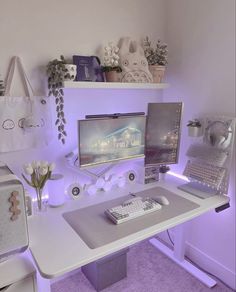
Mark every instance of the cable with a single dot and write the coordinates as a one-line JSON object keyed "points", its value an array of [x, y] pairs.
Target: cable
{"points": [[168, 233], [197, 266], [210, 274]]}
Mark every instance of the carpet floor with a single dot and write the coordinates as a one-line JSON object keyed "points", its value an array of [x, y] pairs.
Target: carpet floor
{"points": [[148, 271]]}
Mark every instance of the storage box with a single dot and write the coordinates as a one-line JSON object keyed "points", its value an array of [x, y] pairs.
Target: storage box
{"points": [[107, 271]]}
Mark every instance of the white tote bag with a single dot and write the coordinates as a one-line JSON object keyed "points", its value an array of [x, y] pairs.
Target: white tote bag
{"points": [[133, 62], [25, 121]]}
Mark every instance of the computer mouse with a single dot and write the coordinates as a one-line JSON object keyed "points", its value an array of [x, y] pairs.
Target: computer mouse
{"points": [[162, 200]]}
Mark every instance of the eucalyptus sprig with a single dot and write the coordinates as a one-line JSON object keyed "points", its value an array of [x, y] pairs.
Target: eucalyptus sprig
{"points": [[57, 72], [155, 55]]}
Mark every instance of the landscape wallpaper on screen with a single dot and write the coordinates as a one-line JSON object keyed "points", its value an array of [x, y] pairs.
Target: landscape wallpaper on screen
{"points": [[107, 140]]}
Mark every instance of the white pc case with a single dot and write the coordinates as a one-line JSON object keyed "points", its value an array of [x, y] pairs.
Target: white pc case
{"points": [[13, 221]]}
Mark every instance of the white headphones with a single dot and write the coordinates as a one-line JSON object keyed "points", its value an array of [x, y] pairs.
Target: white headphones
{"points": [[218, 134]]}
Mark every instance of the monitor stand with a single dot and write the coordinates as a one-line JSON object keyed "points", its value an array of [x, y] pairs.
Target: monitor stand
{"points": [[198, 190], [101, 173]]}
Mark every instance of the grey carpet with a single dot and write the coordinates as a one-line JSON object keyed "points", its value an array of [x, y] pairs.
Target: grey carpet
{"points": [[148, 271]]}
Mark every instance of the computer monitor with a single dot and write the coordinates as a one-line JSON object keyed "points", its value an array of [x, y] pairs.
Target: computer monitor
{"points": [[106, 140], [162, 133]]}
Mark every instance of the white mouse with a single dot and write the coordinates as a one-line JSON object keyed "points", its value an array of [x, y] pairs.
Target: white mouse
{"points": [[161, 200]]}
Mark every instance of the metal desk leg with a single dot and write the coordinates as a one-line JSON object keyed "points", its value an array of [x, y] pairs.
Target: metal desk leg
{"points": [[43, 284], [177, 255]]}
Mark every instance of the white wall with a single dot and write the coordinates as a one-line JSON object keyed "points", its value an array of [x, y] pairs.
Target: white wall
{"points": [[39, 31], [201, 71]]}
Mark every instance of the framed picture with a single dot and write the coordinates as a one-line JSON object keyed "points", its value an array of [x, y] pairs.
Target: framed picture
{"points": [[88, 69]]}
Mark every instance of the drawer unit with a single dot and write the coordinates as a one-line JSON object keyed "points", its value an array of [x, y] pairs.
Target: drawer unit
{"points": [[26, 285], [17, 274]]}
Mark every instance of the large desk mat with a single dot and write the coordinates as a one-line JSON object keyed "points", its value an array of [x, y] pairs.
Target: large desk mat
{"points": [[96, 230]]}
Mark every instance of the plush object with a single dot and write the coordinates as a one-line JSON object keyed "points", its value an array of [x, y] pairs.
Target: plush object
{"points": [[133, 62]]}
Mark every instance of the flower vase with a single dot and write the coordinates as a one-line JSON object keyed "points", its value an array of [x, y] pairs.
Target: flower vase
{"points": [[40, 205], [71, 72], [195, 131], [157, 72], [112, 76]]}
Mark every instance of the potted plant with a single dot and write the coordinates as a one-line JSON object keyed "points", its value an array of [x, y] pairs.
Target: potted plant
{"points": [[111, 66], [163, 170], [194, 128], [57, 72], [157, 59], [2, 88]]}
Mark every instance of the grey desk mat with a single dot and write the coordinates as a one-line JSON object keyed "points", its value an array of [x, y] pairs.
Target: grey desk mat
{"points": [[96, 229]]}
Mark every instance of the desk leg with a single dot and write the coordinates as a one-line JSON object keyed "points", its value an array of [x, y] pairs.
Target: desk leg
{"points": [[43, 284], [177, 255]]}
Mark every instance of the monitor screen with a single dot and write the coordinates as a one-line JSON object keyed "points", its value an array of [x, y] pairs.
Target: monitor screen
{"points": [[162, 133], [106, 140]]}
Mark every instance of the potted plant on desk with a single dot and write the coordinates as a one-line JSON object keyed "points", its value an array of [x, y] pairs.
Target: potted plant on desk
{"points": [[111, 66], [157, 59], [194, 128], [59, 71]]}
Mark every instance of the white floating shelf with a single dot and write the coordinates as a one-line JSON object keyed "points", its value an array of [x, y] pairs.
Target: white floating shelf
{"points": [[113, 85]]}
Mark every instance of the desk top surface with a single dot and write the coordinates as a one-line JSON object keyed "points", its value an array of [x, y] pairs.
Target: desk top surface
{"points": [[58, 249]]}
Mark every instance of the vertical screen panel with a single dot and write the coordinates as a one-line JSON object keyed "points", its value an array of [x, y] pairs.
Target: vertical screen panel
{"points": [[163, 133]]}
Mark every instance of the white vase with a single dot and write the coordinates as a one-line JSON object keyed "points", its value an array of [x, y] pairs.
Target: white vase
{"points": [[71, 72], [195, 131], [56, 194]]}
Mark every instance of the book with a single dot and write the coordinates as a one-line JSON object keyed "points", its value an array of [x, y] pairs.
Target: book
{"points": [[88, 68]]}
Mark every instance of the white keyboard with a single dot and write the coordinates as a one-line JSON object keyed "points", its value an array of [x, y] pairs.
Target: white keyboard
{"points": [[210, 175], [208, 154], [132, 208]]}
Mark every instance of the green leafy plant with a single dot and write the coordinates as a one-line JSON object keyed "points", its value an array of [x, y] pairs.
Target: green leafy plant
{"points": [[2, 88], [109, 69], [155, 55], [164, 168], [57, 73], [194, 123]]}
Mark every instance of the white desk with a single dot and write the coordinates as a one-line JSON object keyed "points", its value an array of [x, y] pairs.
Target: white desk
{"points": [[57, 249]]}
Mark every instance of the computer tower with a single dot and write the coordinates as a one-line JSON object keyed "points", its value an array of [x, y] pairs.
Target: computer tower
{"points": [[13, 221]]}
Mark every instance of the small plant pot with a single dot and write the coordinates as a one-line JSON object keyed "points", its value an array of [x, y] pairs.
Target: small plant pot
{"points": [[112, 76], [157, 72], [195, 131], [71, 72]]}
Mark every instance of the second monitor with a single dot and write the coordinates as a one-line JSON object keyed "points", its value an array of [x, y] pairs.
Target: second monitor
{"points": [[163, 133]]}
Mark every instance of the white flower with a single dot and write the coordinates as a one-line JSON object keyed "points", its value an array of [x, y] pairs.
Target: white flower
{"points": [[28, 169], [111, 55], [43, 163], [43, 170], [35, 164], [51, 166]]}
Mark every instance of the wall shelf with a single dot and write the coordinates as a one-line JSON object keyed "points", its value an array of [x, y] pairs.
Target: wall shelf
{"points": [[114, 85]]}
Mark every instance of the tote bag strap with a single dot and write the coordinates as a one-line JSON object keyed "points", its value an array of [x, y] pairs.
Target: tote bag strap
{"points": [[26, 83]]}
